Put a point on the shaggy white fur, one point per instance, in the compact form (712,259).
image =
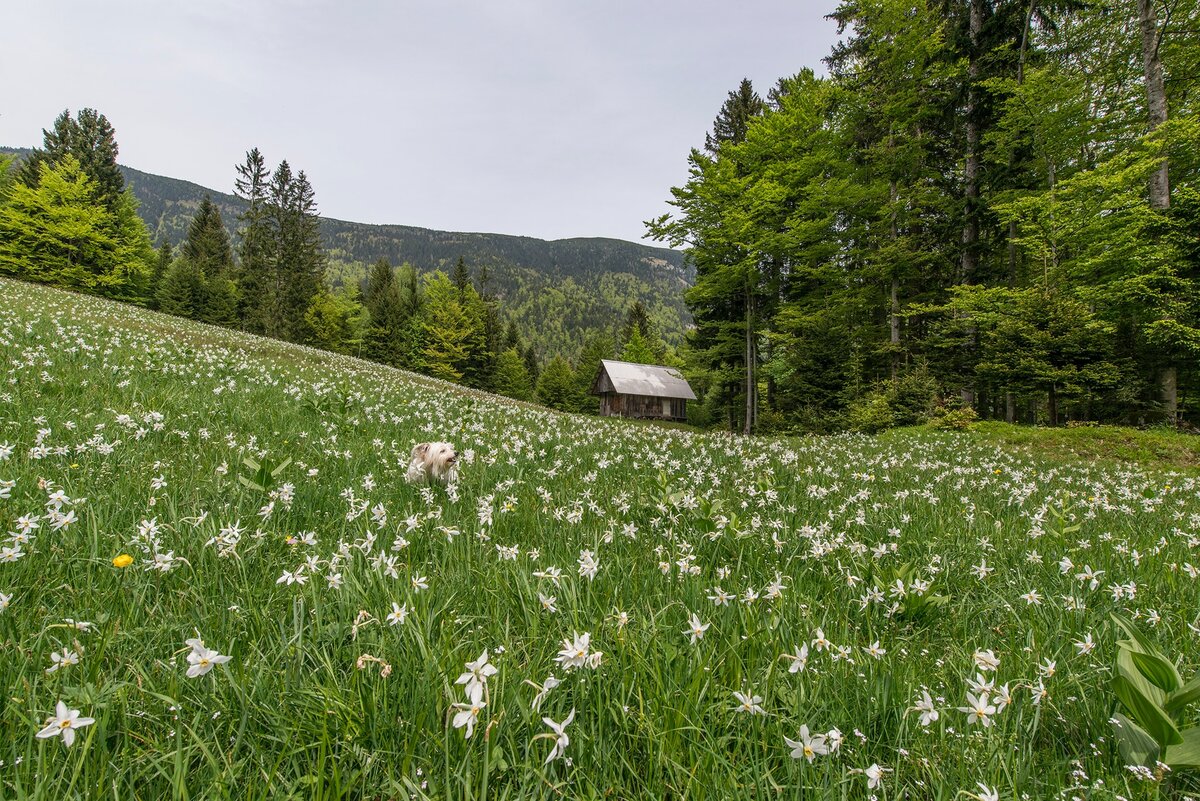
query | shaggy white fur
(433,460)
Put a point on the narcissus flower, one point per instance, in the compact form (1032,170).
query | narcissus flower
(64,723)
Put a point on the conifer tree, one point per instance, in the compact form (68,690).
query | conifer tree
(511,378)
(557,386)
(255,265)
(91,139)
(162,262)
(446,330)
(182,291)
(383,340)
(461,277)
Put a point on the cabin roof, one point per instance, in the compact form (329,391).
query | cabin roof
(628,378)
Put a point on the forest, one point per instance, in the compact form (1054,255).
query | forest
(986,208)
(69,219)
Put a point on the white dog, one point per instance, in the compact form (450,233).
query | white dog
(433,460)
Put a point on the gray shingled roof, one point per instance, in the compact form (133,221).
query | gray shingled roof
(647,379)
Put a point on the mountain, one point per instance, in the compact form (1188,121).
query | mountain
(555,290)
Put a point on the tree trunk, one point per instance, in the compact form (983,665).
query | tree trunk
(894,308)
(1010,408)
(748,428)
(1156,95)
(970,234)
(1160,186)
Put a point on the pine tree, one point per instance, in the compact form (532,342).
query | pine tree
(531,363)
(255,265)
(597,347)
(637,350)
(182,291)
(556,387)
(207,243)
(91,139)
(742,105)
(162,263)
(511,378)
(383,340)
(461,277)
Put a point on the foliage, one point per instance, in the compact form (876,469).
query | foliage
(1148,686)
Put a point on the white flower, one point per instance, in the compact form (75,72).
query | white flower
(987,793)
(925,707)
(696,629)
(475,678)
(5,600)
(468,714)
(561,740)
(978,709)
(799,659)
(201,659)
(1085,645)
(986,660)
(874,776)
(749,703)
(61,660)
(577,654)
(809,746)
(398,614)
(550,683)
(64,722)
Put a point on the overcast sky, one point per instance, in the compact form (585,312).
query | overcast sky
(547,118)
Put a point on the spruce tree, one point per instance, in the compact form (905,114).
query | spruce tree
(556,387)
(383,340)
(461,277)
(741,105)
(510,377)
(91,139)
(182,291)
(255,264)
(162,263)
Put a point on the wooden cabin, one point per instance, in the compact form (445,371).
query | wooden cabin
(645,391)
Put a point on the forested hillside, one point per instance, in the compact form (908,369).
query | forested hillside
(559,290)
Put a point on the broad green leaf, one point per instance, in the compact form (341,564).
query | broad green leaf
(1136,746)
(1187,753)
(1147,713)
(1129,670)
(1187,694)
(1158,670)
(1145,644)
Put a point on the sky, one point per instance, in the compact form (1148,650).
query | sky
(544,118)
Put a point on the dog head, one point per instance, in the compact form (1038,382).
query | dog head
(439,458)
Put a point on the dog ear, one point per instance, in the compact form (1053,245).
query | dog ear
(420,450)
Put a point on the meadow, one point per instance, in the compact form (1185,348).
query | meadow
(211,553)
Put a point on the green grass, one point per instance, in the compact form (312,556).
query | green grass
(138,417)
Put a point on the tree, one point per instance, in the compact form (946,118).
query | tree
(182,291)
(461,277)
(740,106)
(255,265)
(446,330)
(637,350)
(556,387)
(91,140)
(59,232)
(597,347)
(162,263)
(383,340)
(510,377)
(335,320)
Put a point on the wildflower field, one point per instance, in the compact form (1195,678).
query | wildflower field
(215,582)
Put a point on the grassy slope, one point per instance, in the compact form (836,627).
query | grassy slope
(670,515)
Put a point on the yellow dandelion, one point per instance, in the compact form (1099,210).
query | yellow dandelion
(124,560)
